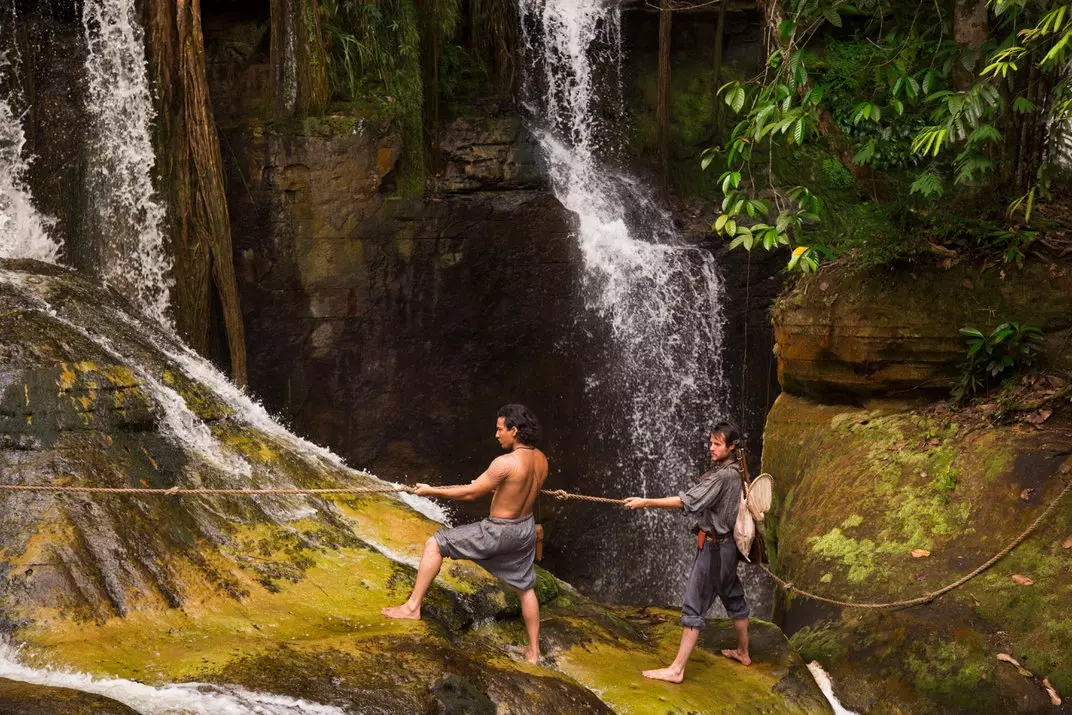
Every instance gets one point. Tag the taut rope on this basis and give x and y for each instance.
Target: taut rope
(561, 495)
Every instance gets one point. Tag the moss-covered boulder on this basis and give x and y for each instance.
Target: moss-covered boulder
(28, 699)
(870, 332)
(859, 489)
(274, 594)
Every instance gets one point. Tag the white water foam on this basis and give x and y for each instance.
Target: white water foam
(128, 222)
(822, 679)
(24, 232)
(178, 699)
(661, 381)
(183, 426)
(177, 420)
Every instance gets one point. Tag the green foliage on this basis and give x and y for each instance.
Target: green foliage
(1009, 348)
(895, 89)
(374, 56)
(1012, 243)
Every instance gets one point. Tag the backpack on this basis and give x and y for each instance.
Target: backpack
(756, 496)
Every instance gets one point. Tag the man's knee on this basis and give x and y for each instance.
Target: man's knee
(431, 546)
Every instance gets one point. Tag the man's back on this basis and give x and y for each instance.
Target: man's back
(525, 470)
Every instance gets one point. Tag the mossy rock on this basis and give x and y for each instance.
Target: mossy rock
(28, 699)
(276, 594)
(857, 490)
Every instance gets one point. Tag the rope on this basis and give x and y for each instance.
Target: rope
(928, 597)
(563, 495)
(176, 491)
(560, 495)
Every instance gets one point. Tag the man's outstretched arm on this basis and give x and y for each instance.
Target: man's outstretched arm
(660, 503)
(486, 483)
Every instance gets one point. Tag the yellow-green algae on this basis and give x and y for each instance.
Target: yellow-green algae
(330, 609)
(858, 489)
(713, 683)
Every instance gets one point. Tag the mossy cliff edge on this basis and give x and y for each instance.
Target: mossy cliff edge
(275, 594)
(862, 485)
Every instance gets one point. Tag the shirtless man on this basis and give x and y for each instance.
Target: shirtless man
(505, 542)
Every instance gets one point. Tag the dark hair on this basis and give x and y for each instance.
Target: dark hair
(729, 432)
(529, 431)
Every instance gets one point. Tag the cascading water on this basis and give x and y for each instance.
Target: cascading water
(659, 383)
(24, 233)
(125, 219)
(181, 699)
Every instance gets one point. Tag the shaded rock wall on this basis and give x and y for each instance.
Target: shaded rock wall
(376, 321)
(844, 333)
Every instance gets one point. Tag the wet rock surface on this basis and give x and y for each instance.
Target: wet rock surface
(276, 594)
(27, 699)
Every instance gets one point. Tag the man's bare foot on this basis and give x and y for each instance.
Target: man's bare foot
(668, 674)
(403, 612)
(532, 656)
(737, 656)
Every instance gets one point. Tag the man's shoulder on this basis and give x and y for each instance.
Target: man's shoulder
(727, 471)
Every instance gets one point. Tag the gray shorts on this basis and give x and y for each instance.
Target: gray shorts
(714, 573)
(506, 548)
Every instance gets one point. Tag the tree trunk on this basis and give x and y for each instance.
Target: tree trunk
(299, 59)
(191, 172)
(720, 32)
(970, 32)
(662, 111)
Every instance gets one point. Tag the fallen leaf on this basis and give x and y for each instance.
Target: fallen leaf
(1026, 494)
(823, 285)
(1022, 580)
(1037, 418)
(933, 442)
(1054, 697)
(920, 553)
(975, 600)
(968, 284)
(1067, 543)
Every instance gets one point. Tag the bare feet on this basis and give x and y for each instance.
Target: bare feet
(403, 612)
(737, 656)
(532, 656)
(670, 675)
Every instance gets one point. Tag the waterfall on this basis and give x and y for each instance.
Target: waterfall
(126, 221)
(659, 385)
(24, 233)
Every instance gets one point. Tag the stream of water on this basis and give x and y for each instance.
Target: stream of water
(658, 384)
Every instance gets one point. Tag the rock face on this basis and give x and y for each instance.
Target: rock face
(869, 333)
(274, 594)
(375, 321)
(860, 486)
